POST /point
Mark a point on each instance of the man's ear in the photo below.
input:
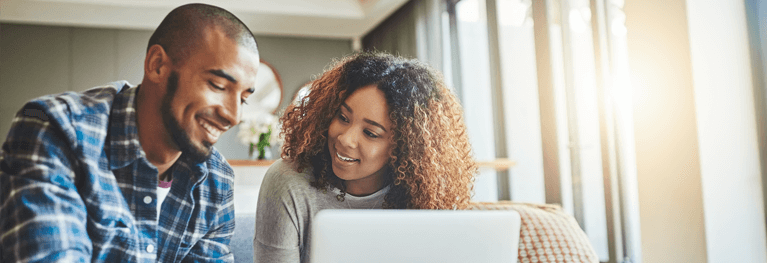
(157, 64)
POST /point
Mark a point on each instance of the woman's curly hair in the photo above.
(431, 167)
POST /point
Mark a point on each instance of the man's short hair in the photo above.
(181, 30)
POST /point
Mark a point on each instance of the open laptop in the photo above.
(415, 236)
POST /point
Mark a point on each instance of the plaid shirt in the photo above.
(75, 186)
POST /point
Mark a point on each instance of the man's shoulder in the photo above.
(219, 167)
(77, 117)
(76, 105)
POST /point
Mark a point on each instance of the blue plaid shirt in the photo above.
(75, 186)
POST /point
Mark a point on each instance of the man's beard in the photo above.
(196, 152)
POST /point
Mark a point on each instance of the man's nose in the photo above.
(230, 112)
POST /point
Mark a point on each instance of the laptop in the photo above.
(414, 236)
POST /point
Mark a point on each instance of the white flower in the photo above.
(252, 128)
(275, 138)
(246, 133)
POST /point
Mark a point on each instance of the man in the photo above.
(85, 176)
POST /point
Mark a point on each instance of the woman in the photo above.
(376, 131)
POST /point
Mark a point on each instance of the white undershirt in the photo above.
(161, 194)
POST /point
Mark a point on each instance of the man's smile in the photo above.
(211, 128)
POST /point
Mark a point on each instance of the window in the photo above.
(560, 68)
(756, 11)
(473, 86)
(520, 96)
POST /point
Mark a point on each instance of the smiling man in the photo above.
(125, 173)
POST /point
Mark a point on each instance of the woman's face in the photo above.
(359, 140)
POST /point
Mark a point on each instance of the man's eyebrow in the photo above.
(223, 74)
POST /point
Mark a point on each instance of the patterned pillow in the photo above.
(548, 234)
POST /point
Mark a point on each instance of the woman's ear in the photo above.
(157, 64)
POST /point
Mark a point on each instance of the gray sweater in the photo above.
(287, 204)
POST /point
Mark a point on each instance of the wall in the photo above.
(667, 153)
(727, 134)
(298, 61)
(699, 174)
(39, 60)
(756, 13)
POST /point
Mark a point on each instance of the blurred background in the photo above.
(645, 119)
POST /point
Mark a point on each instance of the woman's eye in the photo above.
(214, 86)
(342, 117)
(371, 134)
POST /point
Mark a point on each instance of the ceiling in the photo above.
(306, 18)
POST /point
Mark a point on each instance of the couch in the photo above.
(547, 234)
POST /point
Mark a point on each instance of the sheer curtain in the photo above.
(420, 29)
(412, 31)
(545, 84)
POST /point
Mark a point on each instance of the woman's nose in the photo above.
(348, 138)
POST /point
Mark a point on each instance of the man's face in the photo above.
(205, 92)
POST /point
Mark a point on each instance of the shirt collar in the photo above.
(124, 146)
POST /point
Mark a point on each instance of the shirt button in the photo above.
(147, 199)
(150, 248)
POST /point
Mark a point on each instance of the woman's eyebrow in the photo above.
(369, 121)
(375, 124)
(347, 107)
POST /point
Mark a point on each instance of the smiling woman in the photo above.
(360, 141)
(374, 131)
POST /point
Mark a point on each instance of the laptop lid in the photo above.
(415, 236)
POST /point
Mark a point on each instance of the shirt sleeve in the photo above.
(277, 232)
(42, 216)
(214, 246)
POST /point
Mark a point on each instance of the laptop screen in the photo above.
(415, 236)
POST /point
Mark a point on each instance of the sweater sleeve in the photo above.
(277, 236)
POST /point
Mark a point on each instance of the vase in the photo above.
(254, 153)
(261, 153)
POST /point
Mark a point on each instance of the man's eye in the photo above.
(214, 86)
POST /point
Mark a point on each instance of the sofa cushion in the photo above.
(548, 234)
(242, 241)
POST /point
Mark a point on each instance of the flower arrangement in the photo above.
(257, 133)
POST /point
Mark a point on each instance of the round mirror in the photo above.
(267, 95)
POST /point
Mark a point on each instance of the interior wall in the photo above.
(298, 61)
(756, 13)
(396, 34)
(729, 153)
(667, 153)
(38, 60)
